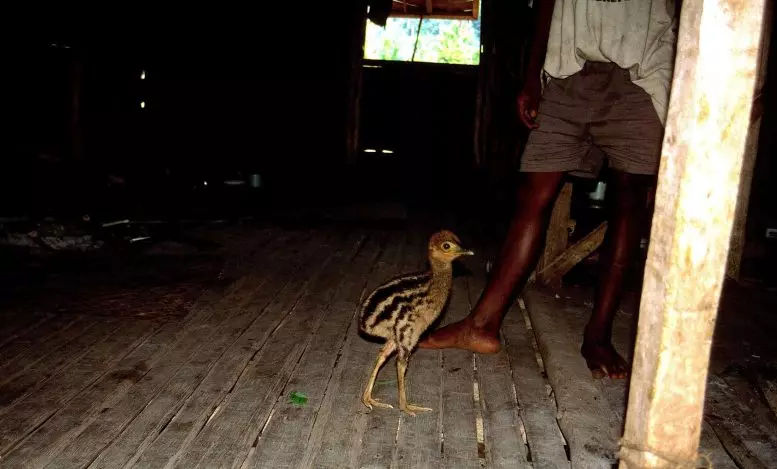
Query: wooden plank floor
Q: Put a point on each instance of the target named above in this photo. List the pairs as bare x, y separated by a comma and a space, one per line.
212, 388
738, 430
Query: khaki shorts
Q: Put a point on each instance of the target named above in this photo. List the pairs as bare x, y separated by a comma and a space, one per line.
593, 115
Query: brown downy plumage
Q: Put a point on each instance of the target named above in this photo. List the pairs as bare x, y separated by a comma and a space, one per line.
401, 310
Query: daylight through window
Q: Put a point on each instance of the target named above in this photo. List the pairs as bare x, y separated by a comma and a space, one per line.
438, 40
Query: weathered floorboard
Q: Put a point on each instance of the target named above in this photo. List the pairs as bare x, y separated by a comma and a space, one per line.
504, 445
537, 408
341, 407
228, 437
212, 389
66, 405
282, 442
25, 415
590, 428
18, 387
184, 367
16, 323
158, 413
23, 350
271, 305
459, 416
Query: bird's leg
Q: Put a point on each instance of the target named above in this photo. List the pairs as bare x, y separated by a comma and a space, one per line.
383, 355
401, 371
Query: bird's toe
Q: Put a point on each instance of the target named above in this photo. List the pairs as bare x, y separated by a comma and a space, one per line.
411, 409
372, 402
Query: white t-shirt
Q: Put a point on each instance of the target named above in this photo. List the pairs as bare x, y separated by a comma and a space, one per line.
638, 35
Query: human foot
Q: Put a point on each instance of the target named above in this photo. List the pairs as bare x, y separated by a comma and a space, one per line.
603, 360
462, 335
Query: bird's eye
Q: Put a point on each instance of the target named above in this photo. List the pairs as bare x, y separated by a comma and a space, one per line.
446, 246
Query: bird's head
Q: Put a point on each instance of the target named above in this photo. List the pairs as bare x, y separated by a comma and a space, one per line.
446, 247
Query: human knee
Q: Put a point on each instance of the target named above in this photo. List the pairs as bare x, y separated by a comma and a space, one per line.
537, 191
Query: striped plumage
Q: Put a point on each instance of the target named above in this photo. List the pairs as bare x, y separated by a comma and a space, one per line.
396, 302
401, 310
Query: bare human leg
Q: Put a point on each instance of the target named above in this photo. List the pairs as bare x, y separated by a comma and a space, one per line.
479, 332
626, 199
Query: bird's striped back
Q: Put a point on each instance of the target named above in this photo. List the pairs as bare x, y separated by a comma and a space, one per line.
385, 302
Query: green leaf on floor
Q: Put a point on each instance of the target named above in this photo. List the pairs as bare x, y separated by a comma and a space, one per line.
298, 398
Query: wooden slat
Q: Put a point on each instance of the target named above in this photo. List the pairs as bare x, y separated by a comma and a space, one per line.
154, 418
181, 424
341, 407
228, 436
590, 428
739, 451
572, 314
24, 416
49, 331
21, 386
183, 368
66, 417
739, 423
713, 450
283, 441
68, 420
504, 445
442, 9
34, 352
460, 443
537, 408
17, 323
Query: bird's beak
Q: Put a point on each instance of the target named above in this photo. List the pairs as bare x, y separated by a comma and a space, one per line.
465, 252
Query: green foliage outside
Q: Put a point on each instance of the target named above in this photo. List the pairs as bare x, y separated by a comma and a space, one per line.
439, 41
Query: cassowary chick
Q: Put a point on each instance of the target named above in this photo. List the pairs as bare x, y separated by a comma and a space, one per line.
401, 310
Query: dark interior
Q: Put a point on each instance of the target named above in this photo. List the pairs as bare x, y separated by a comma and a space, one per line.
229, 93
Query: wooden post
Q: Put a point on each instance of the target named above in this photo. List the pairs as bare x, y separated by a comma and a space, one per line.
76, 93
557, 235
356, 59
552, 273
698, 182
738, 238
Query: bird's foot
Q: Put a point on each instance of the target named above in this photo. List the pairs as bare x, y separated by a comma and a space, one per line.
370, 402
411, 409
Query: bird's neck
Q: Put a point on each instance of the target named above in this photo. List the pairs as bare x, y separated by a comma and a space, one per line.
442, 276
440, 267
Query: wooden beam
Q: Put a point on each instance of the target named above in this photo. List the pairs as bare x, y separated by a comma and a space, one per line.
355, 78
557, 235
738, 238
429, 7
555, 271
76, 95
698, 181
